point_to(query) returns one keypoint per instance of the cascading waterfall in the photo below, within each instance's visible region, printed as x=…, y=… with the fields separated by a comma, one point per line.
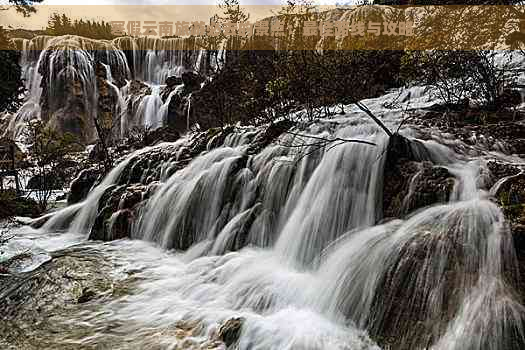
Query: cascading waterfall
x=289, y=237
x=79, y=218
x=49, y=63
x=149, y=109
x=313, y=251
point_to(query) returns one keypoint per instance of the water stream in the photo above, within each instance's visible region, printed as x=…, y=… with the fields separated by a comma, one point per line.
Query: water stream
x=294, y=242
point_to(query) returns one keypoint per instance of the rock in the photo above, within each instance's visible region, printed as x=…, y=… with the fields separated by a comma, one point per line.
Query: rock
x=86, y=295
x=97, y=153
x=116, y=213
x=230, y=330
x=136, y=87
x=173, y=81
x=271, y=133
x=400, y=148
x=162, y=134
x=511, y=198
x=177, y=118
x=414, y=185
x=82, y=184
x=52, y=292
x=512, y=191
x=191, y=81
x=107, y=99
x=120, y=224
x=499, y=170
x=410, y=179
x=66, y=108
x=503, y=131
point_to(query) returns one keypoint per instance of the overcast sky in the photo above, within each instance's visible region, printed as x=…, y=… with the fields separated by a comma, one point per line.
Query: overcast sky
x=143, y=10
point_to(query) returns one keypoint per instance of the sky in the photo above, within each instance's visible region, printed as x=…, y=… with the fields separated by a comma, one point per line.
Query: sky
x=135, y=10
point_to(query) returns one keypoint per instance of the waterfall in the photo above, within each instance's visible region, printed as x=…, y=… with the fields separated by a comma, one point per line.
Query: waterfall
x=188, y=113
x=286, y=234
x=79, y=218
x=437, y=278
x=149, y=109
x=60, y=75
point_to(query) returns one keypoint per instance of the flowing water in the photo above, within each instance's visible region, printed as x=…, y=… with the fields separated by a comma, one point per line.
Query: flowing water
x=51, y=64
x=315, y=269
x=291, y=239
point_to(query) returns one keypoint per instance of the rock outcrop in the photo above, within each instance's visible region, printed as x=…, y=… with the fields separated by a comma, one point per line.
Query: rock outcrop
x=511, y=197
x=411, y=180
x=82, y=184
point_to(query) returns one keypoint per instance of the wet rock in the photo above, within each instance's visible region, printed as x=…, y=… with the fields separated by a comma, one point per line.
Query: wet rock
x=273, y=131
x=191, y=81
x=415, y=185
x=108, y=205
x=499, y=170
x=97, y=153
x=65, y=108
x=86, y=295
x=177, y=117
x=136, y=87
x=511, y=197
x=120, y=224
x=117, y=211
x=230, y=330
x=410, y=179
x=512, y=191
x=54, y=285
x=503, y=131
x=82, y=184
x=173, y=81
x=107, y=100
x=35, y=305
x=217, y=136
x=163, y=134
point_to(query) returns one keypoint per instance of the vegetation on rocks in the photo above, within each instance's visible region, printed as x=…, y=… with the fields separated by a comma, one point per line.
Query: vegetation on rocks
x=11, y=204
x=10, y=71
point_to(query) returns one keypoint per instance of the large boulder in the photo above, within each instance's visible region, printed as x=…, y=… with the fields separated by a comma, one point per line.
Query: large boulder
x=82, y=184
x=162, y=134
x=410, y=179
x=117, y=210
x=511, y=197
x=191, y=81
x=173, y=81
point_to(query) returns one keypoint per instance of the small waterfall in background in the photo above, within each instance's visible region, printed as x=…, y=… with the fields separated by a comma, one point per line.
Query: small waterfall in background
x=60, y=76
x=290, y=237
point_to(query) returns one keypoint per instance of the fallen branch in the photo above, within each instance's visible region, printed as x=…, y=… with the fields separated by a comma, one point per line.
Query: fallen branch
x=322, y=142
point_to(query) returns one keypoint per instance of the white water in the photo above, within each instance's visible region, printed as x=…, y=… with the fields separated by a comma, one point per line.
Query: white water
x=313, y=270
x=71, y=58
x=289, y=240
